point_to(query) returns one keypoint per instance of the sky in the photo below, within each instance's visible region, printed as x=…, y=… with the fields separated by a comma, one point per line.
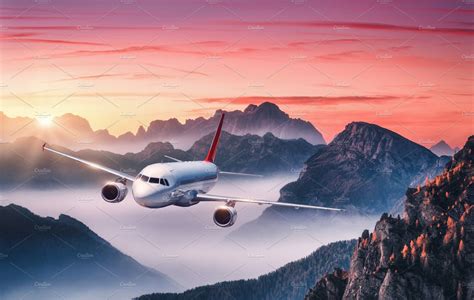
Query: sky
x=404, y=65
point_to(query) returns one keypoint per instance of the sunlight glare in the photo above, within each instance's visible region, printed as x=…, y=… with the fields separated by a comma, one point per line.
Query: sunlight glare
x=45, y=120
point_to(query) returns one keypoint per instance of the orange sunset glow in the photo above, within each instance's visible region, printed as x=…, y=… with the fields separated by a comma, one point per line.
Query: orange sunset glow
x=404, y=65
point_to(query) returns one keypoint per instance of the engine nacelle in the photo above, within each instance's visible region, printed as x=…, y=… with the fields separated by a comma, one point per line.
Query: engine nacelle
x=114, y=192
x=225, y=216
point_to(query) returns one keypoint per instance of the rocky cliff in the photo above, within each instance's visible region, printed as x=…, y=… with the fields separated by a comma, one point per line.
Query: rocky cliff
x=426, y=254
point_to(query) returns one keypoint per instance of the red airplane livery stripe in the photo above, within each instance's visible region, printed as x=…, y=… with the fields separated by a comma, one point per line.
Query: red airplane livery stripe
x=211, y=155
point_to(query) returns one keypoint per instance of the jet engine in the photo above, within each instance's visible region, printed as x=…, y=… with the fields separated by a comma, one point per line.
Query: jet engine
x=225, y=216
x=114, y=192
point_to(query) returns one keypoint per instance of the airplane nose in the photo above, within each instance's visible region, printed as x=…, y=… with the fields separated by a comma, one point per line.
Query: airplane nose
x=141, y=191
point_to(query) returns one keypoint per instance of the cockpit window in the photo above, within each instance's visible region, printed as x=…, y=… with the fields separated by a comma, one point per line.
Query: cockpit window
x=154, y=180
x=161, y=181
x=144, y=178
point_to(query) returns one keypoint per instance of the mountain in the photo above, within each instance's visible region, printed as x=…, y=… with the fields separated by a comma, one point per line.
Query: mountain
x=427, y=254
x=44, y=258
x=74, y=132
x=442, y=148
x=365, y=169
x=366, y=166
x=256, y=154
x=23, y=162
x=288, y=282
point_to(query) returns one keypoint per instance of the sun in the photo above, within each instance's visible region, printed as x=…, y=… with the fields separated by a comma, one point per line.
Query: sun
x=44, y=120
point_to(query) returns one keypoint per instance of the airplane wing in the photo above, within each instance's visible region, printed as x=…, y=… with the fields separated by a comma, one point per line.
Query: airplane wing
x=207, y=197
x=91, y=164
x=172, y=158
x=239, y=174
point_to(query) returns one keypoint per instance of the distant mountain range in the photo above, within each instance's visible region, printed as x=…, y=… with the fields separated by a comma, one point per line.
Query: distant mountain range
x=23, y=162
x=427, y=254
x=74, y=132
x=442, y=148
x=288, y=282
x=49, y=257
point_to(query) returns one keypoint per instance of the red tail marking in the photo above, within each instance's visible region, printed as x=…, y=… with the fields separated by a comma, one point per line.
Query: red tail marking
x=211, y=155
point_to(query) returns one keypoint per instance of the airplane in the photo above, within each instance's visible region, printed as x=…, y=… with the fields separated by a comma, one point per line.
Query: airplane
x=179, y=183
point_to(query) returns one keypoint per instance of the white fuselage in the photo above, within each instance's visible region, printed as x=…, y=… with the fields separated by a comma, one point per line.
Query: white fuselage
x=176, y=183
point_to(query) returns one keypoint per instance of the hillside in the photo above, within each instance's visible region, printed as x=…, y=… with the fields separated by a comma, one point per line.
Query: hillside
x=65, y=256
x=427, y=254
x=288, y=282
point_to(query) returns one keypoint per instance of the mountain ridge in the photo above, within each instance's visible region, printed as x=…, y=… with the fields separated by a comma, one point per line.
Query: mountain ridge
x=75, y=132
x=23, y=161
x=427, y=254
x=287, y=282
x=65, y=255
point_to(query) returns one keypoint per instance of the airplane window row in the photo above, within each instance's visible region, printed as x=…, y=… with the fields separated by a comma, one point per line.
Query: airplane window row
x=162, y=181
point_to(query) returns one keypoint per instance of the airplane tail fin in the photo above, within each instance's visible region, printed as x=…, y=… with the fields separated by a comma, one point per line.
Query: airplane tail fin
x=211, y=155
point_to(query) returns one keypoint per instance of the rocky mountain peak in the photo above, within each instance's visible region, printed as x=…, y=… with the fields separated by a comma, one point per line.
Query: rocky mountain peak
x=270, y=110
x=366, y=167
x=427, y=254
x=73, y=121
x=374, y=141
x=442, y=148
x=250, y=108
